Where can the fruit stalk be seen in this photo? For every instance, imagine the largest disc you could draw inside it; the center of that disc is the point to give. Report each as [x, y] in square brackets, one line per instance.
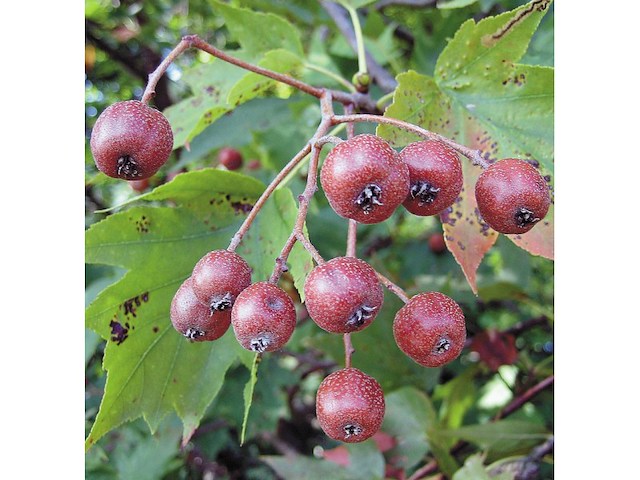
[311, 186]
[474, 155]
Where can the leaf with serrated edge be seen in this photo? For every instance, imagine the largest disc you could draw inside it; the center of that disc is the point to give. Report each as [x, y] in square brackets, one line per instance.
[151, 369]
[481, 98]
[248, 394]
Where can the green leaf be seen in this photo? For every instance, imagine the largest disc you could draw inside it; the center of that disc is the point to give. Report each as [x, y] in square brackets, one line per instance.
[444, 5]
[151, 369]
[407, 417]
[502, 438]
[218, 87]
[306, 468]
[457, 396]
[210, 84]
[253, 84]
[480, 97]
[248, 394]
[258, 32]
[365, 460]
[474, 469]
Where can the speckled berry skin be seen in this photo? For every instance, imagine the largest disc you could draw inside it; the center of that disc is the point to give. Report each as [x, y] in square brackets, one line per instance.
[219, 277]
[364, 180]
[230, 158]
[435, 176]
[263, 317]
[512, 196]
[193, 319]
[131, 140]
[430, 329]
[350, 405]
[343, 295]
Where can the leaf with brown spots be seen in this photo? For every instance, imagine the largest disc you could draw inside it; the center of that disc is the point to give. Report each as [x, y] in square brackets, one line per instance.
[467, 236]
[481, 98]
[152, 369]
[219, 87]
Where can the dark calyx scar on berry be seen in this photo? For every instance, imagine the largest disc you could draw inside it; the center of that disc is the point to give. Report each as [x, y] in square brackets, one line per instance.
[369, 198]
[220, 303]
[424, 192]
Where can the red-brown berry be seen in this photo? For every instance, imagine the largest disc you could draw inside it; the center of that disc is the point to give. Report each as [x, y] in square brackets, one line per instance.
[435, 175]
[131, 140]
[364, 180]
[343, 295]
[194, 319]
[512, 196]
[430, 329]
[230, 158]
[219, 277]
[263, 317]
[350, 405]
[436, 243]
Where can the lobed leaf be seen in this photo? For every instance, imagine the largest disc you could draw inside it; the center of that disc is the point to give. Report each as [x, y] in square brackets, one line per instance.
[480, 97]
[152, 370]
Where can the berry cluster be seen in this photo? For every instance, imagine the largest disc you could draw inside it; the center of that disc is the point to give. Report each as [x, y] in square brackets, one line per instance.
[365, 180]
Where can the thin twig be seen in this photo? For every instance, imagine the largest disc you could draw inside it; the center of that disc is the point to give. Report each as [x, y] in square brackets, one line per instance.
[352, 238]
[362, 101]
[474, 155]
[524, 398]
[393, 288]
[237, 238]
[379, 74]
[348, 350]
[311, 187]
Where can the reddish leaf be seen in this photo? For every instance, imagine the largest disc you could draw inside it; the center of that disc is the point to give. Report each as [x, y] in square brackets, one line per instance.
[495, 348]
[384, 441]
[538, 240]
[338, 455]
[467, 236]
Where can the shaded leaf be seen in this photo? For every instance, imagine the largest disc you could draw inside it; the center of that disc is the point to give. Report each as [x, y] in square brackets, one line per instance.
[501, 438]
[495, 348]
[248, 394]
[473, 469]
[306, 468]
[408, 415]
[456, 397]
[443, 5]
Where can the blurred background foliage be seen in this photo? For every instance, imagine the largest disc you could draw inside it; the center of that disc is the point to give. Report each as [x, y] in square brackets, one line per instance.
[454, 409]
